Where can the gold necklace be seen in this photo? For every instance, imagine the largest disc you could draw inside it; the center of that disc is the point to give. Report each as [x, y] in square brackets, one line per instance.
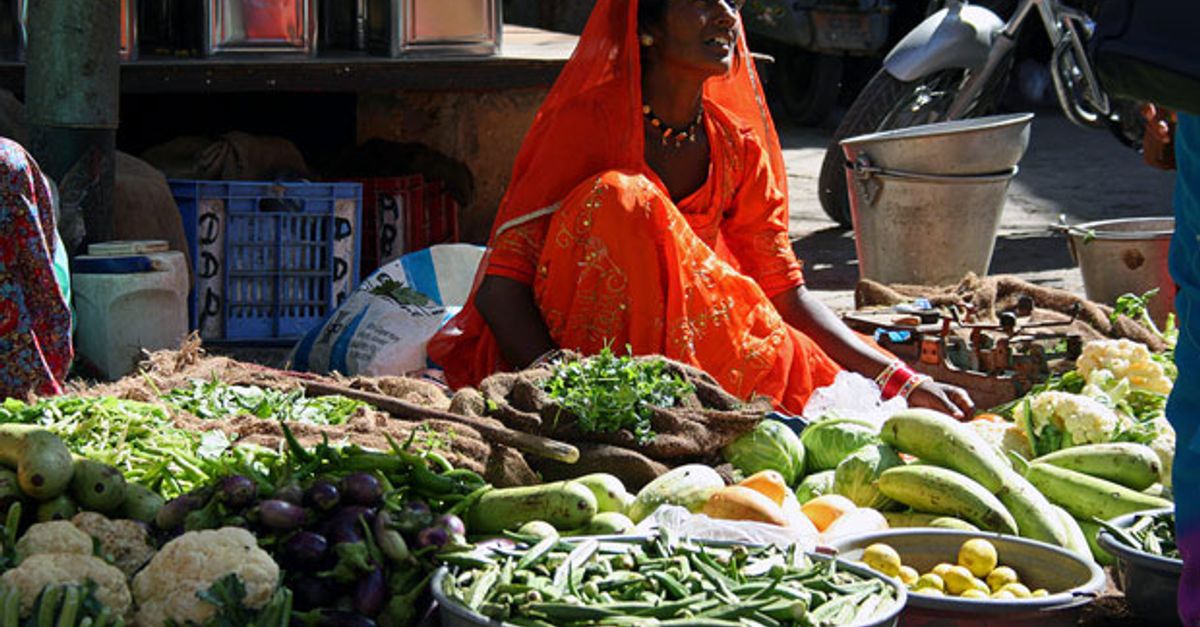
[676, 135]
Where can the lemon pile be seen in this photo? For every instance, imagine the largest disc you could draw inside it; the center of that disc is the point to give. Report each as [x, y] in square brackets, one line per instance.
[977, 575]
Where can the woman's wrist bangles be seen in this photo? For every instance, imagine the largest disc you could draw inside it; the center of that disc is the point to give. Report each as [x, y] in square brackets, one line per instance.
[899, 380]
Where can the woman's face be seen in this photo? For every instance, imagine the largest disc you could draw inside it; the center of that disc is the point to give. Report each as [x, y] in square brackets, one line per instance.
[696, 36]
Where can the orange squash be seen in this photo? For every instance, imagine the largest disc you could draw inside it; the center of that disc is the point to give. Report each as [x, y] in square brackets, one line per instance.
[826, 509]
[769, 483]
[737, 502]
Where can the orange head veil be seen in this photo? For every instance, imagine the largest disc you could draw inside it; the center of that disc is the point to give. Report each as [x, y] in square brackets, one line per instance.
[590, 122]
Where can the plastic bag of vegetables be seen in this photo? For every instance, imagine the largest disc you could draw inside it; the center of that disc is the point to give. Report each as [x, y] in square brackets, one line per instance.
[857, 476]
[828, 442]
[771, 445]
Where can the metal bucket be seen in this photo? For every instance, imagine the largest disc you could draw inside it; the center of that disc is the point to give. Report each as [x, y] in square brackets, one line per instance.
[924, 229]
[1128, 255]
[984, 145]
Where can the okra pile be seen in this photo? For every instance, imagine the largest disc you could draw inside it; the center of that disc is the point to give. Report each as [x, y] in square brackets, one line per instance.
[661, 580]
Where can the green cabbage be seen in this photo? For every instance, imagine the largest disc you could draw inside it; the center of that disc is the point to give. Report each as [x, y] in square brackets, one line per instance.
[857, 477]
[769, 446]
[828, 442]
[815, 485]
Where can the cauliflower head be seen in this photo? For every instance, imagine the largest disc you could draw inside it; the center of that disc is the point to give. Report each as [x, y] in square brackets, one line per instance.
[166, 589]
[1105, 360]
[1163, 445]
[1082, 419]
[1004, 437]
[123, 542]
[58, 536]
[48, 569]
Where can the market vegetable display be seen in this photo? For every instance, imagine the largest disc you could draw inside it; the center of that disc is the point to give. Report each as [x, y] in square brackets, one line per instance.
[660, 580]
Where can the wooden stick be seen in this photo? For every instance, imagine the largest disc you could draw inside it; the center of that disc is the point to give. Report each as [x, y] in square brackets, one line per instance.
[525, 442]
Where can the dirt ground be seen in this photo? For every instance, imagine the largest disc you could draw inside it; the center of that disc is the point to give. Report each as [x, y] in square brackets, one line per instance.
[1083, 174]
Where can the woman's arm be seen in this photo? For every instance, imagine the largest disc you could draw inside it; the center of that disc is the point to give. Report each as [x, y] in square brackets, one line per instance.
[508, 307]
[805, 312]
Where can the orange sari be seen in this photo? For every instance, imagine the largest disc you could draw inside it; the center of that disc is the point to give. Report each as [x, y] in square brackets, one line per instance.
[613, 261]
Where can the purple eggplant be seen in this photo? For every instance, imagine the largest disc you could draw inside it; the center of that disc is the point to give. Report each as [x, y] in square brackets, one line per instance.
[452, 524]
[173, 513]
[237, 491]
[281, 515]
[412, 517]
[310, 592]
[323, 495]
[346, 524]
[370, 593]
[361, 488]
[306, 547]
[435, 536]
[290, 492]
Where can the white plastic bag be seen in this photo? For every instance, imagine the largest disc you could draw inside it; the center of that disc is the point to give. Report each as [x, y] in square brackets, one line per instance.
[385, 324]
[700, 527]
[852, 396]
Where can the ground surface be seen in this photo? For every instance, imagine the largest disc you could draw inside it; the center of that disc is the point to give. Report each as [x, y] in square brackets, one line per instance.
[1083, 174]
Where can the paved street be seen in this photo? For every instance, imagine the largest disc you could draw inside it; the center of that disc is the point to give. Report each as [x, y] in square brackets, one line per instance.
[1084, 174]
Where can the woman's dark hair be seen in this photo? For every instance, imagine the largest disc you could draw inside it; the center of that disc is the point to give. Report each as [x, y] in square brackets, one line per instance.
[651, 12]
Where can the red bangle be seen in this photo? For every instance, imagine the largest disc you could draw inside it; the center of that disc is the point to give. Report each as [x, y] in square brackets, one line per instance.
[898, 380]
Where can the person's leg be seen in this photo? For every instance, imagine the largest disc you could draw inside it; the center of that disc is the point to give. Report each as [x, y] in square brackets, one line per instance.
[1183, 408]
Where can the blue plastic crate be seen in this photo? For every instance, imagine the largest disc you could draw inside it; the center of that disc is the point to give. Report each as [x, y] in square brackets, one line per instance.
[271, 259]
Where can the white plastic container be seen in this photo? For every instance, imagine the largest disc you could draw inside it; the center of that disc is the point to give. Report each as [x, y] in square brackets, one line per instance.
[129, 297]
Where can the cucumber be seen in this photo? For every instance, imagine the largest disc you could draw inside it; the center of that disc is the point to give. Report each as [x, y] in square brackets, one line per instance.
[565, 504]
[900, 520]
[1076, 541]
[141, 503]
[43, 463]
[60, 507]
[1087, 497]
[1091, 530]
[941, 491]
[939, 439]
[1135, 466]
[1034, 514]
[97, 487]
[609, 491]
[687, 486]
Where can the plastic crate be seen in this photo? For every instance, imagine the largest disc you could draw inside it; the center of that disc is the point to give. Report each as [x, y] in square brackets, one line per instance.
[404, 214]
[271, 259]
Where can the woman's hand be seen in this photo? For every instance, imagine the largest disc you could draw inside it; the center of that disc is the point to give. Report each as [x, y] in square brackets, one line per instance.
[943, 397]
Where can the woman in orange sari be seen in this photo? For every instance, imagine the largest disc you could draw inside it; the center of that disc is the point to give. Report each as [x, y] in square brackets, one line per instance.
[648, 208]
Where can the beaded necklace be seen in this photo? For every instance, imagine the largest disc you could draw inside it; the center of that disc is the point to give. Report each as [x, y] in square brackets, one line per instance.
[678, 136]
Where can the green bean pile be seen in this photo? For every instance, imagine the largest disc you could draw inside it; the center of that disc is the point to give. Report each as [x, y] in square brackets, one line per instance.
[1152, 533]
[662, 581]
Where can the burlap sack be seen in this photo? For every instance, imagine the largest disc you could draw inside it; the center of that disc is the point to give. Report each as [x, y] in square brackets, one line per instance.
[144, 208]
[235, 156]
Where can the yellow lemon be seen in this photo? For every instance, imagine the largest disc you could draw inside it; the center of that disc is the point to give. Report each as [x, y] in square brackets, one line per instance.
[1040, 592]
[909, 575]
[1018, 590]
[930, 580]
[882, 558]
[933, 592]
[957, 579]
[1003, 595]
[940, 569]
[979, 585]
[973, 593]
[1001, 577]
[979, 556]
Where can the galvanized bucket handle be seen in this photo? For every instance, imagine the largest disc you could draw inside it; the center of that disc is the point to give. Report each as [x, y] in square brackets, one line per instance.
[869, 177]
[1068, 230]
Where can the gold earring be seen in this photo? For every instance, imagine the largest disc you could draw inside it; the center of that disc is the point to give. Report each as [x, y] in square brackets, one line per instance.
[647, 41]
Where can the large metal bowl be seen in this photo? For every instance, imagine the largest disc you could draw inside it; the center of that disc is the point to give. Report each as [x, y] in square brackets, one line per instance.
[1072, 581]
[454, 614]
[985, 145]
[1150, 582]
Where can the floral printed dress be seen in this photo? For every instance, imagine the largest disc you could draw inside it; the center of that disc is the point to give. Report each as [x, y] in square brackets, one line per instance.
[35, 319]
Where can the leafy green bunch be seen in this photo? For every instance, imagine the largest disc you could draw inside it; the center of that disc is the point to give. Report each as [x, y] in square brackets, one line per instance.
[216, 400]
[607, 393]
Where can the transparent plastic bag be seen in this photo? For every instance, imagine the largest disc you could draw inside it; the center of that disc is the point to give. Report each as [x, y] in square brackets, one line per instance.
[852, 396]
[685, 524]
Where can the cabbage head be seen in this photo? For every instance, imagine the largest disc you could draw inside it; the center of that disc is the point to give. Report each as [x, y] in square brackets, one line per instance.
[828, 442]
[815, 485]
[857, 477]
[771, 445]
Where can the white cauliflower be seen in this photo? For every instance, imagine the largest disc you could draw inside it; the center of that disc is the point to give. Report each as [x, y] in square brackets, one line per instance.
[58, 536]
[1004, 436]
[1163, 445]
[123, 542]
[48, 569]
[1105, 360]
[166, 589]
[1081, 419]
